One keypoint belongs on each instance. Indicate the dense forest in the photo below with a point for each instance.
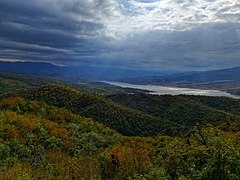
(11, 82)
(125, 120)
(182, 109)
(57, 132)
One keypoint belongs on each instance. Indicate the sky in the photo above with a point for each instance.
(129, 34)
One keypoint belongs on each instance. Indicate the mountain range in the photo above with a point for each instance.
(223, 79)
(75, 73)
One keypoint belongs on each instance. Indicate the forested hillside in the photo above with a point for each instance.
(40, 141)
(138, 114)
(10, 82)
(183, 109)
(121, 118)
(57, 132)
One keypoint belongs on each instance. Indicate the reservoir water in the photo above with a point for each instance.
(162, 90)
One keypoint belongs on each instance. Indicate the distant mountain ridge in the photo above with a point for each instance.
(222, 79)
(13, 81)
(28, 67)
(75, 73)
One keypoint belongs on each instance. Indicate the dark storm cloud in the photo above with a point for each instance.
(128, 34)
(208, 46)
(43, 32)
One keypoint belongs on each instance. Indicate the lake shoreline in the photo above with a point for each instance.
(171, 90)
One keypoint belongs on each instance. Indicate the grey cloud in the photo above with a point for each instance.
(207, 47)
(38, 29)
(89, 9)
(78, 32)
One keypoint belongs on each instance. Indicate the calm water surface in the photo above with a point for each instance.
(161, 90)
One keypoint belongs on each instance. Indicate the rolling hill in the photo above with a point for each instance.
(56, 132)
(182, 109)
(41, 141)
(11, 81)
(138, 114)
(121, 118)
